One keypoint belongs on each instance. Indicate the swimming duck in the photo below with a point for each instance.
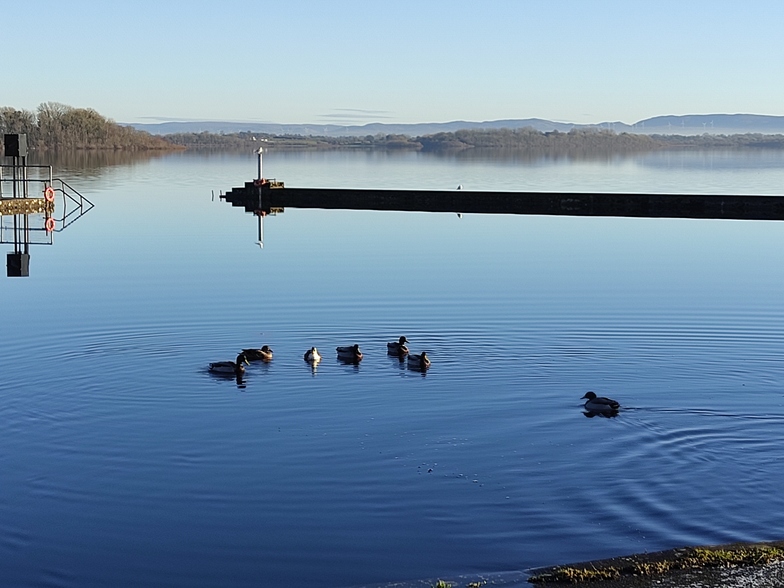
(312, 355)
(398, 347)
(351, 353)
(264, 354)
(230, 367)
(419, 362)
(600, 403)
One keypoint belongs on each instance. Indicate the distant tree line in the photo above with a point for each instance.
(246, 139)
(708, 141)
(529, 139)
(601, 140)
(57, 126)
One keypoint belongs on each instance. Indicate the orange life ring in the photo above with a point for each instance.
(49, 194)
(49, 225)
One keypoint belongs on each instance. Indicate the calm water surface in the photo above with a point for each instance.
(123, 462)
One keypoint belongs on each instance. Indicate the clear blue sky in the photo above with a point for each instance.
(356, 61)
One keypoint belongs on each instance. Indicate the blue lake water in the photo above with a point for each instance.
(123, 462)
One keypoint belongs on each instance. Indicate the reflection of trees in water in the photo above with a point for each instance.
(715, 159)
(90, 163)
(738, 158)
(534, 155)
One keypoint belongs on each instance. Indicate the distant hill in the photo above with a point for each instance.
(331, 130)
(716, 124)
(692, 124)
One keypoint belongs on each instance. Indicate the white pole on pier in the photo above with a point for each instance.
(260, 152)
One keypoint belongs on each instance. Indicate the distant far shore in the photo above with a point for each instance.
(57, 127)
(526, 139)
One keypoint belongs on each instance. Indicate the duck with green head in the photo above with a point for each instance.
(398, 347)
(230, 367)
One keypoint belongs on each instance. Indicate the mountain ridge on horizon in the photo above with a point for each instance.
(690, 124)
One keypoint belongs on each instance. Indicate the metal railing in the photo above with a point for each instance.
(20, 181)
(30, 195)
(79, 204)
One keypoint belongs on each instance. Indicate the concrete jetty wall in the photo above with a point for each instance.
(255, 196)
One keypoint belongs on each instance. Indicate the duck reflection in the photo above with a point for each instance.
(238, 377)
(600, 413)
(397, 359)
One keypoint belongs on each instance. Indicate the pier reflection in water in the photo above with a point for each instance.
(29, 210)
(263, 197)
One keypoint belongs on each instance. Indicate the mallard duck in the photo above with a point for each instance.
(312, 355)
(351, 353)
(419, 362)
(230, 367)
(398, 347)
(600, 403)
(264, 354)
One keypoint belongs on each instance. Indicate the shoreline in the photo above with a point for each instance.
(758, 564)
